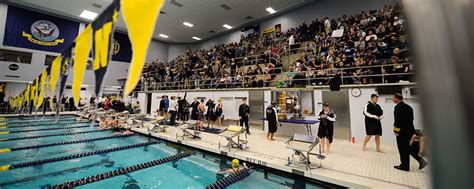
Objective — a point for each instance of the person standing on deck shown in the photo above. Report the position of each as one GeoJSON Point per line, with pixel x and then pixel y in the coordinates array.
{"type": "Point", "coordinates": [373, 127]}
{"type": "Point", "coordinates": [244, 112]}
{"type": "Point", "coordinates": [272, 118]}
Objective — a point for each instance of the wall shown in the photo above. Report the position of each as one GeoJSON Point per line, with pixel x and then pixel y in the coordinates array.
{"type": "Point", "coordinates": [175, 50]}
{"type": "Point", "coordinates": [231, 37]}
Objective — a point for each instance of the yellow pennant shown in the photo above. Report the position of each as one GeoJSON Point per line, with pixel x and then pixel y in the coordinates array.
{"type": "Point", "coordinates": [55, 67]}
{"type": "Point", "coordinates": [27, 93]}
{"type": "Point", "coordinates": [35, 92]}
{"type": "Point", "coordinates": [81, 53]}
{"type": "Point", "coordinates": [44, 75]}
{"type": "Point", "coordinates": [140, 17]}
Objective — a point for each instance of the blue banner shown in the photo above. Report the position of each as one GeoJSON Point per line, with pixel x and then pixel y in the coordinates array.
{"type": "Point", "coordinates": [121, 48]}
{"type": "Point", "coordinates": [33, 30]}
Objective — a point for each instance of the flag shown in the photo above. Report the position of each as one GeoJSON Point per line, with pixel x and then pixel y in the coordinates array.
{"type": "Point", "coordinates": [81, 53]}
{"type": "Point", "coordinates": [140, 17]}
{"type": "Point", "coordinates": [103, 29]}
{"type": "Point", "coordinates": [55, 67]}
{"type": "Point", "coordinates": [42, 89]}
{"type": "Point", "coordinates": [35, 92]}
{"type": "Point", "coordinates": [65, 64]}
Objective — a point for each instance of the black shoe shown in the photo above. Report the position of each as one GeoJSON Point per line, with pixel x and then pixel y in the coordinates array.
{"type": "Point", "coordinates": [423, 165]}
{"type": "Point", "coordinates": [400, 168]}
{"type": "Point", "coordinates": [248, 133]}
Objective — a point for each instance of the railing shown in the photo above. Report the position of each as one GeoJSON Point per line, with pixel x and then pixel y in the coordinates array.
{"type": "Point", "coordinates": [313, 79]}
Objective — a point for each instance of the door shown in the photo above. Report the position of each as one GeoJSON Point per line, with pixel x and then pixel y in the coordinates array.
{"type": "Point", "coordinates": [339, 103]}
{"type": "Point", "coordinates": [256, 104]}
{"type": "Point", "coordinates": [148, 103]}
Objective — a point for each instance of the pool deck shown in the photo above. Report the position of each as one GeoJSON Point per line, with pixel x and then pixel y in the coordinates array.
{"type": "Point", "coordinates": [346, 165]}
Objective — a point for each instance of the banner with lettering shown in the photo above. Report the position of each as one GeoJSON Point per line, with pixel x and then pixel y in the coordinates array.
{"type": "Point", "coordinates": [121, 48]}
{"type": "Point", "coordinates": [33, 30]}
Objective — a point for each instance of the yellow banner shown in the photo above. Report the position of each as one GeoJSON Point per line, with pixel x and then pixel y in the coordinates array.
{"type": "Point", "coordinates": [44, 75]}
{"type": "Point", "coordinates": [140, 17]}
{"type": "Point", "coordinates": [55, 67]}
{"type": "Point", "coordinates": [81, 53]}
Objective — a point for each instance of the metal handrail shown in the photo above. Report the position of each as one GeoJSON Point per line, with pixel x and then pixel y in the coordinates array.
{"type": "Point", "coordinates": [214, 82]}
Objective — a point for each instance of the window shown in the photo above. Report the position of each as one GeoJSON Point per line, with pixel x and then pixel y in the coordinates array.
{"type": "Point", "coordinates": [49, 60]}
{"type": "Point", "coordinates": [15, 56]}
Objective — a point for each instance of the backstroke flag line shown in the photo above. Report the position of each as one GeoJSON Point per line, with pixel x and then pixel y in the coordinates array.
{"type": "Point", "coordinates": [81, 53]}
{"type": "Point", "coordinates": [140, 17]}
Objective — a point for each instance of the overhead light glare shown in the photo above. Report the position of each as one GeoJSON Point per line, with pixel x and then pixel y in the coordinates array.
{"type": "Point", "coordinates": [270, 10]}
{"type": "Point", "coordinates": [163, 35]}
{"type": "Point", "coordinates": [89, 15]}
{"type": "Point", "coordinates": [188, 24]}
{"type": "Point", "coordinates": [227, 26]}
{"type": "Point", "coordinates": [196, 38]}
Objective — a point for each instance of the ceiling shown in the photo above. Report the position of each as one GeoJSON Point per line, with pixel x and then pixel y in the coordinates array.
{"type": "Point", "coordinates": [205, 15]}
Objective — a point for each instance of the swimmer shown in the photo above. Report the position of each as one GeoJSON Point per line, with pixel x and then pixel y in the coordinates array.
{"type": "Point", "coordinates": [235, 167]}
{"type": "Point", "coordinates": [103, 123]}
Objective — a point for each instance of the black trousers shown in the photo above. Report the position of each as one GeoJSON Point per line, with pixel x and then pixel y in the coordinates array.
{"type": "Point", "coordinates": [180, 113]}
{"type": "Point", "coordinates": [173, 117]}
{"type": "Point", "coordinates": [415, 150]}
{"type": "Point", "coordinates": [184, 116]}
{"type": "Point", "coordinates": [245, 120]}
{"type": "Point", "coordinates": [403, 144]}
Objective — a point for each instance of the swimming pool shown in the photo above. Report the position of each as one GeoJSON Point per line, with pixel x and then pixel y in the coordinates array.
{"type": "Point", "coordinates": [195, 171]}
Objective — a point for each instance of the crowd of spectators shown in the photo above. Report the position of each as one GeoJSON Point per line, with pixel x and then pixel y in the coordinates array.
{"type": "Point", "coordinates": [372, 49]}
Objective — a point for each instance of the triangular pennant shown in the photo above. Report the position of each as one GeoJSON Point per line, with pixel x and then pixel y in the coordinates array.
{"type": "Point", "coordinates": [140, 17]}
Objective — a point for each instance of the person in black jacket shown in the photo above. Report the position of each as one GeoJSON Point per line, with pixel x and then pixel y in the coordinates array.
{"type": "Point", "coordinates": [327, 117]}
{"type": "Point", "coordinates": [244, 111]}
{"type": "Point", "coordinates": [272, 118]}
{"type": "Point", "coordinates": [194, 111]}
{"type": "Point", "coordinates": [404, 130]}
{"type": "Point", "coordinates": [161, 108]}
{"type": "Point", "coordinates": [373, 114]}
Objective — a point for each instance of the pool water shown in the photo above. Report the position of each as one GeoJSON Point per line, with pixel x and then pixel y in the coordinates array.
{"type": "Point", "coordinates": [195, 171]}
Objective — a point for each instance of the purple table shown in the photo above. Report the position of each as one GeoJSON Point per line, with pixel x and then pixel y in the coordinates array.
{"type": "Point", "coordinates": [306, 123]}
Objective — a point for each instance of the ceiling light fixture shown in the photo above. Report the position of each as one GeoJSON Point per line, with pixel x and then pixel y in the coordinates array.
{"type": "Point", "coordinates": [227, 26]}
{"type": "Point", "coordinates": [163, 35]}
{"type": "Point", "coordinates": [270, 10]}
{"type": "Point", "coordinates": [188, 24]}
{"type": "Point", "coordinates": [196, 38]}
{"type": "Point", "coordinates": [89, 15]}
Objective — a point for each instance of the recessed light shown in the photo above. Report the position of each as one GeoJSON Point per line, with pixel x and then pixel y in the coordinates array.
{"type": "Point", "coordinates": [188, 24]}
{"type": "Point", "coordinates": [196, 38]}
{"type": "Point", "coordinates": [227, 26]}
{"type": "Point", "coordinates": [89, 15]}
{"type": "Point", "coordinates": [163, 35]}
{"type": "Point", "coordinates": [270, 10]}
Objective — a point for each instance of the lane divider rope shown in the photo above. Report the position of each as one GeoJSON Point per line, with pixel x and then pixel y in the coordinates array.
{"type": "Point", "coordinates": [121, 171]}
{"type": "Point", "coordinates": [44, 124]}
{"type": "Point", "coordinates": [229, 180]}
{"type": "Point", "coordinates": [74, 156]}
{"type": "Point", "coordinates": [52, 135]}
{"type": "Point", "coordinates": [6, 150]}
{"type": "Point", "coordinates": [48, 129]}
{"type": "Point", "coordinates": [38, 119]}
